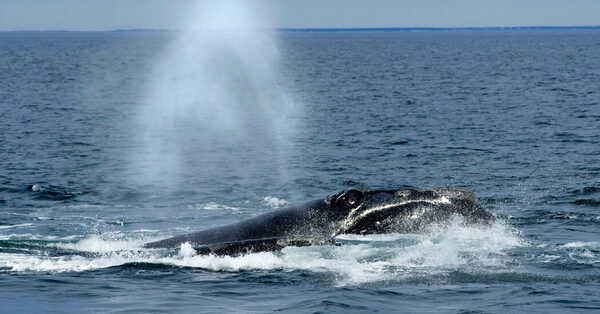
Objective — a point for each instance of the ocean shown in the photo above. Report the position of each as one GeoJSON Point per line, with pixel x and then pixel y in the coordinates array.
{"type": "Point", "coordinates": [88, 173]}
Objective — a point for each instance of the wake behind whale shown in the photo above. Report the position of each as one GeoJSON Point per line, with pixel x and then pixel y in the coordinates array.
{"type": "Point", "coordinates": [349, 212]}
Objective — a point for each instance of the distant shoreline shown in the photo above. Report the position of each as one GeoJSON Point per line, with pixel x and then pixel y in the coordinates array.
{"type": "Point", "coordinates": [357, 29]}
{"type": "Point", "coordinates": [437, 29]}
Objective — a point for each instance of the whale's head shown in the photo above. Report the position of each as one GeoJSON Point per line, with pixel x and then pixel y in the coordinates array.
{"type": "Point", "coordinates": [361, 211]}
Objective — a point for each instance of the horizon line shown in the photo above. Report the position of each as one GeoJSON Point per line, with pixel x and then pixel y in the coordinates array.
{"type": "Point", "coordinates": [392, 29]}
{"type": "Point", "coordinates": [350, 29]}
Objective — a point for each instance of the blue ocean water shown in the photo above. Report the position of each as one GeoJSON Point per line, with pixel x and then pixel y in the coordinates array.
{"type": "Point", "coordinates": [512, 115]}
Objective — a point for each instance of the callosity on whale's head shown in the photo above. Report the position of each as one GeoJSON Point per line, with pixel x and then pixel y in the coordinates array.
{"type": "Point", "coordinates": [406, 210]}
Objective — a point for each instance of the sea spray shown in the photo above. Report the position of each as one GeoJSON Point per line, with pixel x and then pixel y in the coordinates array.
{"type": "Point", "coordinates": [217, 104]}
{"type": "Point", "coordinates": [455, 246]}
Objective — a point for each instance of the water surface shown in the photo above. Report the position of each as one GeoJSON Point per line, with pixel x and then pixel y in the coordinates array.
{"type": "Point", "coordinates": [512, 115]}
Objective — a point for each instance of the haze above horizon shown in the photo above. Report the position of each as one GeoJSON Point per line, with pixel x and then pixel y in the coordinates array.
{"type": "Point", "coordinates": [77, 15]}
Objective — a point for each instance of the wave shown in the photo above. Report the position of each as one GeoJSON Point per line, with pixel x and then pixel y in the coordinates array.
{"type": "Point", "coordinates": [51, 192]}
{"type": "Point", "coordinates": [15, 226]}
{"type": "Point", "coordinates": [587, 202]}
{"type": "Point", "coordinates": [361, 259]}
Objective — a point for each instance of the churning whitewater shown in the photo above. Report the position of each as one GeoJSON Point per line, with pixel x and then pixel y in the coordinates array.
{"type": "Point", "coordinates": [361, 259]}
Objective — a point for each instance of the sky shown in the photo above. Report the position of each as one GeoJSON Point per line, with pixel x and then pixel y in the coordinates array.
{"type": "Point", "coordinates": [166, 14]}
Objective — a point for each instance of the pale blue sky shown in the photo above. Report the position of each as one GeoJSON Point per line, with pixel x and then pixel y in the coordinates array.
{"type": "Point", "coordinates": [165, 14]}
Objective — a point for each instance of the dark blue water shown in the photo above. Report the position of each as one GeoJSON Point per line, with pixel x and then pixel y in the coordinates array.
{"type": "Point", "coordinates": [512, 115]}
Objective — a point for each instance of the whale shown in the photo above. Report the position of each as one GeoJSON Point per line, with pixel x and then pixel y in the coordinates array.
{"type": "Point", "coordinates": [356, 211]}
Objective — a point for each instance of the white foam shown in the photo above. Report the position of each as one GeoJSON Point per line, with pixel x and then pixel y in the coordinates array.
{"type": "Point", "coordinates": [98, 244]}
{"type": "Point", "coordinates": [16, 226]}
{"type": "Point", "coordinates": [106, 242]}
{"type": "Point", "coordinates": [587, 253]}
{"type": "Point", "coordinates": [274, 202]}
{"type": "Point", "coordinates": [365, 259]}
{"type": "Point", "coordinates": [458, 245]}
{"type": "Point", "coordinates": [187, 250]}
{"type": "Point", "coordinates": [146, 230]}
{"type": "Point", "coordinates": [580, 244]}
{"type": "Point", "coordinates": [216, 206]}
{"type": "Point", "coordinates": [37, 188]}
{"type": "Point", "coordinates": [581, 252]}
{"type": "Point", "coordinates": [37, 237]}
{"type": "Point", "coordinates": [547, 258]}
